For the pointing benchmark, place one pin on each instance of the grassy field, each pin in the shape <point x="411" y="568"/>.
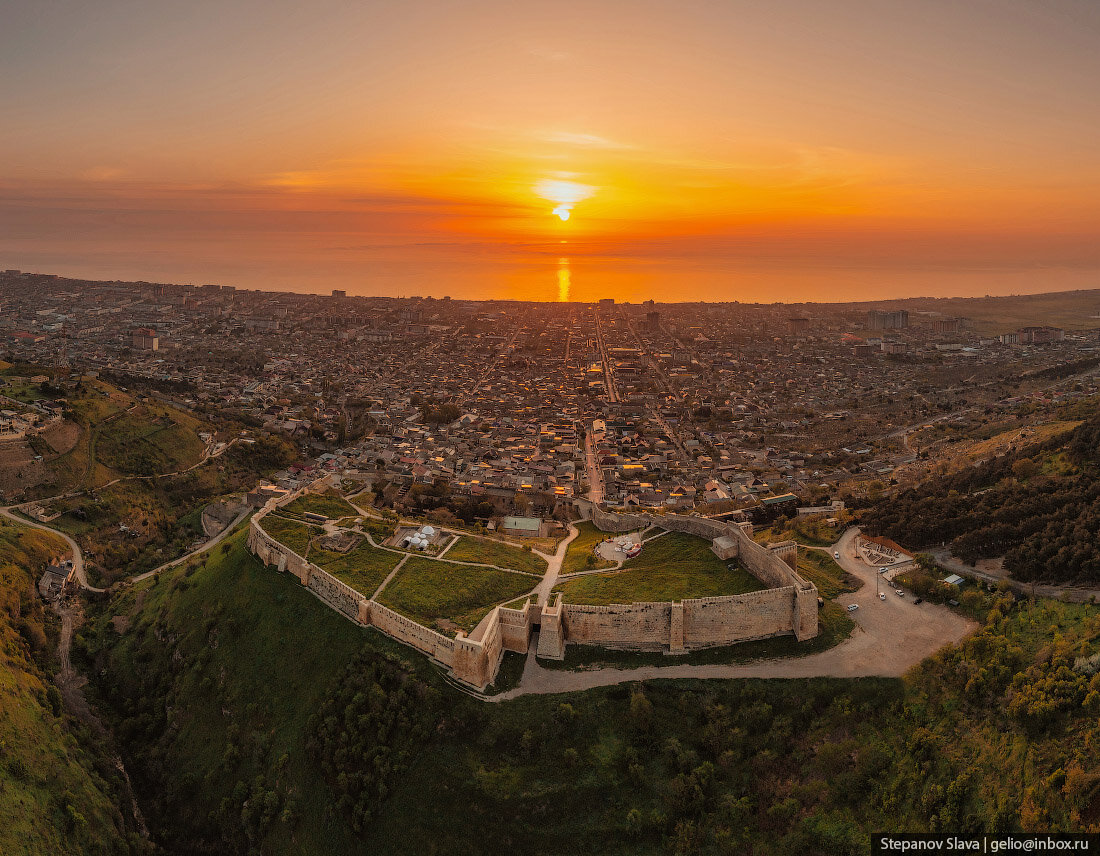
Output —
<point x="673" y="567"/>
<point x="578" y="555"/>
<point x="150" y="440"/>
<point x="362" y="568"/>
<point x="21" y="389"/>
<point x="820" y="569"/>
<point x="449" y="597"/>
<point x="331" y="506"/>
<point x="58" y="794"/>
<point x="489" y="552"/>
<point x="290" y="533"/>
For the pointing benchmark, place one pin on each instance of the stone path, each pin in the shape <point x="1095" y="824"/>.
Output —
<point x="389" y="577"/>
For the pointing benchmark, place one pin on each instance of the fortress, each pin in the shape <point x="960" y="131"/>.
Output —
<point x="788" y="608"/>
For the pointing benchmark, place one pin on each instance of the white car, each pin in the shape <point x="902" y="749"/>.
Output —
<point x="836" y="555"/>
<point x="899" y="592"/>
<point x="882" y="595"/>
<point x="852" y="607"/>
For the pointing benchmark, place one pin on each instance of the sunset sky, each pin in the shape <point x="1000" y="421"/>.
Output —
<point x="719" y="150"/>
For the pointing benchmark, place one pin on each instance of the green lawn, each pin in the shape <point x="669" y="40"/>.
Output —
<point x="429" y="592"/>
<point x="290" y="533"/>
<point x="489" y="552"/>
<point x="820" y="569"/>
<point x="332" y="506"/>
<point x="673" y="567"/>
<point x="579" y="552"/>
<point x="362" y="568"/>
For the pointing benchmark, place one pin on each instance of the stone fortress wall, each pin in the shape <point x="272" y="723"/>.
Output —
<point x="789" y="607"/>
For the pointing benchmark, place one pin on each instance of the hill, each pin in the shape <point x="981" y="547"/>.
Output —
<point x="1036" y="505"/>
<point x="258" y="720"/>
<point x="59" y="793"/>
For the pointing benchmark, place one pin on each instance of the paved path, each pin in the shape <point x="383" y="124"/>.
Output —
<point x="389" y="577"/>
<point x="221" y="536"/>
<point x="890" y="637"/>
<point x="553" y="566"/>
<point x="78" y="557"/>
<point x="1076" y="594"/>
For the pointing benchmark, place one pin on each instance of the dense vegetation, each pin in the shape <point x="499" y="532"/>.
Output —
<point x="210" y="687"/>
<point x="162" y="516"/>
<point x="369" y="730"/>
<point x="1039" y="506"/>
<point x="59" y="793"/>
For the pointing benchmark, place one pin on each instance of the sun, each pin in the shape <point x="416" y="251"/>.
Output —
<point x="564" y="192"/>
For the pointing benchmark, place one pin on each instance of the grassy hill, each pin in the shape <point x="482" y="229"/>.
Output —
<point x="1035" y="504"/>
<point x="257" y="719"/>
<point x="58" y="792"/>
<point x="210" y="688"/>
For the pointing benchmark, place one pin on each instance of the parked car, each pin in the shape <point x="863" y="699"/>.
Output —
<point x="882" y="595"/>
<point x="852" y="607"/>
<point x="899" y="592"/>
<point x="836" y="554"/>
<point x="919" y="600"/>
<point x="882" y="570"/>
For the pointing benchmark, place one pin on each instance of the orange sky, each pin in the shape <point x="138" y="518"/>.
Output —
<point x="240" y="142"/>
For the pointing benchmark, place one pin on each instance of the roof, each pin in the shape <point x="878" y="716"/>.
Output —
<point x="527" y="524"/>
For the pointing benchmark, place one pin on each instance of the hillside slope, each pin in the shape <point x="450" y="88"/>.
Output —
<point x="258" y="720"/>
<point x="58" y="792"/>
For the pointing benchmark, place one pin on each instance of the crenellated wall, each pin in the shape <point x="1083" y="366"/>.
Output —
<point x="789" y="606"/>
<point x="472" y="661"/>
<point x="640" y="626"/>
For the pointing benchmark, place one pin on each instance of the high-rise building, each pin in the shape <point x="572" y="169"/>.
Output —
<point x="606" y="302"/>
<point x="145" y="339"/>
<point x="337" y="292"/>
<point x="799" y="325"/>
<point x="880" y="320"/>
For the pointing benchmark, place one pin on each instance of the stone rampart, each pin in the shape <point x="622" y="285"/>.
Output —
<point x="710" y="621"/>
<point x="638" y="626"/>
<point x="394" y="624"/>
<point x="788" y="606"/>
<point x="472" y="661"/>
<point x="515" y="628"/>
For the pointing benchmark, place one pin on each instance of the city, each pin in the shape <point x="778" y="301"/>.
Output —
<point x="560" y="428"/>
